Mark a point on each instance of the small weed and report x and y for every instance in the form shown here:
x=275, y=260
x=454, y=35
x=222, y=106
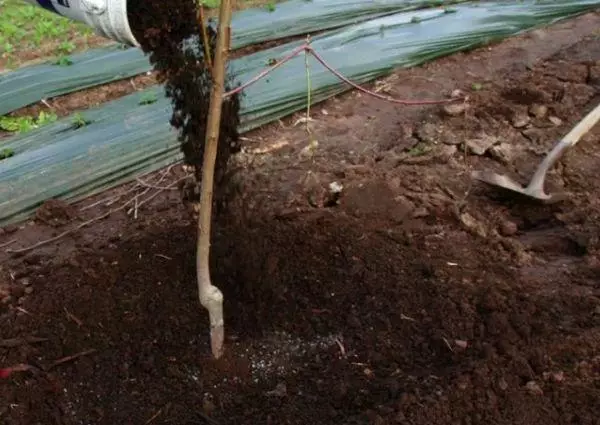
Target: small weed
x=16, y=124
x=476, y=86
x=45, y=118
x=66, y=47
x=270, y=7
x=79, y=120
x=26, y=123
x=7, y=48
x=415, y=20
x=63, y=61
x=148, y=99
x=6, y=153
x=419, y=149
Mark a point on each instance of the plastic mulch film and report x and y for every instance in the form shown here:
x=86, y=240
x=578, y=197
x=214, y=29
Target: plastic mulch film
x=98, y=66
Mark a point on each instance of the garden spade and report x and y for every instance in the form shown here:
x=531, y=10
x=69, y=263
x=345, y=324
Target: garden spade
x=535, y=189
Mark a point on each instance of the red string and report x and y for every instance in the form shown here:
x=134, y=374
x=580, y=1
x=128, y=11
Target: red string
x=306, y=47
x=264, y=73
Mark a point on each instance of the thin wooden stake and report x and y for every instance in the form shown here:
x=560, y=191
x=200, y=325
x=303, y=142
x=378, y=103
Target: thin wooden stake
x=210, y=296
x=205, y=40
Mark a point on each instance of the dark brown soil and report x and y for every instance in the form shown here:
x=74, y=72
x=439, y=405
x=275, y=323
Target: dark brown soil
x=415, y=298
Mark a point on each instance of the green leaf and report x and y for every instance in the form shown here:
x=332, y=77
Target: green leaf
x=6, y=153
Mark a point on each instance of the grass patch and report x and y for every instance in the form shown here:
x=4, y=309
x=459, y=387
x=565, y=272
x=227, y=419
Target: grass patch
x=6, y=153
x=28, y=32
x=63, y=61
x=78, y=120
x=25, y=123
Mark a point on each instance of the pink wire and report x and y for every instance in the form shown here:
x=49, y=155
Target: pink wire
x=306, y=47
x=264, y=73
x=371, y=93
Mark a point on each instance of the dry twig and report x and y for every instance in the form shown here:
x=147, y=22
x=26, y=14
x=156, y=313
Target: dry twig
x=70, y=358
x=114, y=198
x=448, y=345
x=152, y=186
x=72, y=317
x=338, y=341
x=90, y=221
x=157, y=414
x=4, y=245
x=15, y=342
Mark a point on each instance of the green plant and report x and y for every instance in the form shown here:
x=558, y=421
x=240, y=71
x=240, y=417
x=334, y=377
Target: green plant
x=16, y=124
x=270, y=6
x=26, y=123
x=23, y=27
x=79, y=120
x=66, y=47
x=8, y=48
x=63, y=61
x=45, y=118
x=476, y=86
x=148, y=98
x=419, y=149
x=6, y=153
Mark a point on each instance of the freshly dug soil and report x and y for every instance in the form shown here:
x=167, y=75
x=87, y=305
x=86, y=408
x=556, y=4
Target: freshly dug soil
x=418, y=297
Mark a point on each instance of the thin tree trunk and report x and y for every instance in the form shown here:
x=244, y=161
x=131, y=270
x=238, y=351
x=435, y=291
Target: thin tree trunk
x=210, y=296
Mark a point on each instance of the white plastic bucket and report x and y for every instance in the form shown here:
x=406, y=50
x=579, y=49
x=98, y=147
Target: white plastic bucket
x=107, y=17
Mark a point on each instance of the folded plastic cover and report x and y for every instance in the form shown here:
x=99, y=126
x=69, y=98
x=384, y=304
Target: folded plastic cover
x=98, y=66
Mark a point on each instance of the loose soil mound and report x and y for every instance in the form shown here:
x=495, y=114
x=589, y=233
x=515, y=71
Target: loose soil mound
x=416, y=298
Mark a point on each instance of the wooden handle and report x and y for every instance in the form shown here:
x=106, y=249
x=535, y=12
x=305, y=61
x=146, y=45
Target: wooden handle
x=537, y=181
x=583, y=126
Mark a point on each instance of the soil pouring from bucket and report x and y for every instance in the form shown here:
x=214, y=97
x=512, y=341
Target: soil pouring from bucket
x=176, y=41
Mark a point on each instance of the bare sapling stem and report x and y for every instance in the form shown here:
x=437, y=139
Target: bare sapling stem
x=205, y=40
x=312, y=141
x=308, y=85
x=210, y=296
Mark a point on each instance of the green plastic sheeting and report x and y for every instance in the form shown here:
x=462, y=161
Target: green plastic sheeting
x=94, y=67
x=126, y=139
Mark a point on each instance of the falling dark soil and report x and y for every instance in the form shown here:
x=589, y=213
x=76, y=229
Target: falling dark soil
x=413, y=297
x=172, y=35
